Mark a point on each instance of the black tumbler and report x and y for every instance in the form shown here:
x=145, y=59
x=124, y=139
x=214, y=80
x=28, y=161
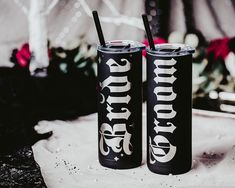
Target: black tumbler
x=120, y=104
x=169, y=108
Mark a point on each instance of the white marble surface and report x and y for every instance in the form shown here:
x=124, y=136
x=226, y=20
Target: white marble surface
x=69, y=158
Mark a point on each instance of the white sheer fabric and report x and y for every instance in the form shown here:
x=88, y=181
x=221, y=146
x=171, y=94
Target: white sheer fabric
x=70, y=20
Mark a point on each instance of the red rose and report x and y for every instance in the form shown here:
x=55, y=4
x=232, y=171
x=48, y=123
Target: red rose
x=23, y=55
x=219, y=48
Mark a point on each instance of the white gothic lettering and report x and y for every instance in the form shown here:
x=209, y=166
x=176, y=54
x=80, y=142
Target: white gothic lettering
x=160, y=148
x=116, y=137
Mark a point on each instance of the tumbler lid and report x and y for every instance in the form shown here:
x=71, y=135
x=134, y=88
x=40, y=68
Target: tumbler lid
x=121, y=46
x=169, y=49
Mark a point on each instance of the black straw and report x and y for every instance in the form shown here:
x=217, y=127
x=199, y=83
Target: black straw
x=98, y=28
x=148, y=32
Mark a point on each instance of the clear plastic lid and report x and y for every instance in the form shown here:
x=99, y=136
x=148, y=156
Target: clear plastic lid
x=121, y=46
x=171, y=50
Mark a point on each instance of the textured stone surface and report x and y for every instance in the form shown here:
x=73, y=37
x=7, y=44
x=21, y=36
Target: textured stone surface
x=19, y=169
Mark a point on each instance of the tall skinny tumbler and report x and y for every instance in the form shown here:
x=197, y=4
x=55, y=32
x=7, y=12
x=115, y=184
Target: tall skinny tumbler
x=120, y=104
x=169, y=108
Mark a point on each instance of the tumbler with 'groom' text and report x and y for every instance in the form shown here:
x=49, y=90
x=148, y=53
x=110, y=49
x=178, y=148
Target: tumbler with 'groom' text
x=169, y=108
